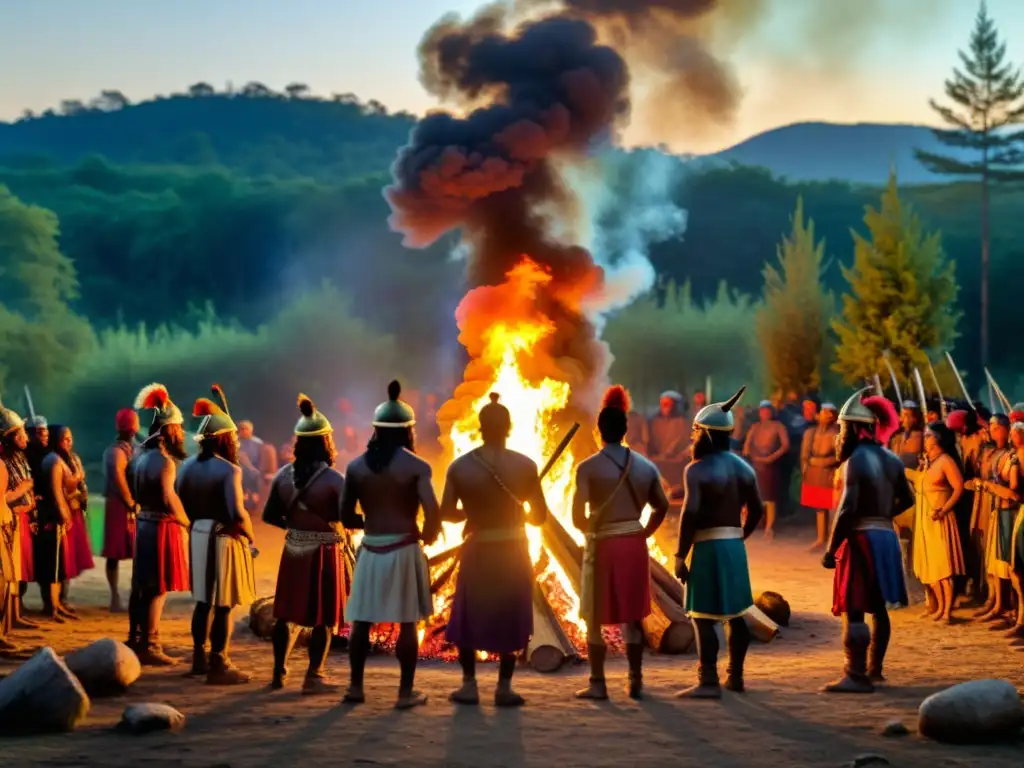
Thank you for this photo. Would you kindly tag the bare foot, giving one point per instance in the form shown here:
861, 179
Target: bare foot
701, 692
410, 699
817, 546
769, 534
849, 684
596, 691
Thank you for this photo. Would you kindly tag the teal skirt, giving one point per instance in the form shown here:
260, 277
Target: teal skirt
719, 583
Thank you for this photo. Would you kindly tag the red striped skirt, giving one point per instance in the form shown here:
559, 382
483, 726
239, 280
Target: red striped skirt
622, 579
311, 586
118, 530
161, 557
76, 549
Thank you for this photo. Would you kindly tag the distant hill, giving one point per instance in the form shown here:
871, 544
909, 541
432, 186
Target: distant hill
860, 153
271, 134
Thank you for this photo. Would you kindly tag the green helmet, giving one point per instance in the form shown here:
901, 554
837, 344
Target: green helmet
9, 420
393, 412
216, 420
311, 423
718, 416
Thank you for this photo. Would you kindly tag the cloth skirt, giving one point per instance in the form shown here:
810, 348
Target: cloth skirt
998, 549
311, 584
815, 497
23, 550
391, 587
118, 530
1018, 543
622, 579
77, 550
937, 551
161, 557
869, 573
222, 569
719, 583
769, 481
492, 609
8, 567
47, 554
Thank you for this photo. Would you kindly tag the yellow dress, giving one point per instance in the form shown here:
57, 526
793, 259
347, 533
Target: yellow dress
937, 552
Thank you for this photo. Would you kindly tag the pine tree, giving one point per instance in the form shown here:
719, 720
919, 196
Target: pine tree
902, 296
988, 98
792, 322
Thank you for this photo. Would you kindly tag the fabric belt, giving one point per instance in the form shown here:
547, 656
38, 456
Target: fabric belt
723, 533
383, 549
152, 516
873, 524
295, 536
615, 530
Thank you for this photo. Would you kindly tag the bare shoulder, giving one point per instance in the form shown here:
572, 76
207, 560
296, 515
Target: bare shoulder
417, 465
522, 462
334, 477
644, 465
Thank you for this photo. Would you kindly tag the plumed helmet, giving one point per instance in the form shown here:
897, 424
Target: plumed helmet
719, 416
311, 422
216, 419
855, 410
156, 398
38, 422
393, 412
9, 420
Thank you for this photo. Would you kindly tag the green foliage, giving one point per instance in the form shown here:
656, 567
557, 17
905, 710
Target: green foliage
672, 341
902, 295
40, 338
793, 320
988, 96
315, 345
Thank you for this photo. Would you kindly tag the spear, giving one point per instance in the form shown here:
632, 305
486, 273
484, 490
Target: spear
707, 390
892, 375
920, 393
28, 400
878, 385
960, 381
938, 390
994, 386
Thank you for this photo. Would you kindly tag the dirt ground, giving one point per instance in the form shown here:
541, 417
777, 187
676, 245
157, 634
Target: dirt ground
781, 721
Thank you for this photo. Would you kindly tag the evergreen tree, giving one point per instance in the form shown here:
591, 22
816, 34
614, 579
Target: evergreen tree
902, 296
793, 320
988, 98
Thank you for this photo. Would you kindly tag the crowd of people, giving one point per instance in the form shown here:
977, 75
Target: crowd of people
950, 486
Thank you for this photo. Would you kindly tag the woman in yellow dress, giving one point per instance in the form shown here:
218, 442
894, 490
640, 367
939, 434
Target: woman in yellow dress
938, 556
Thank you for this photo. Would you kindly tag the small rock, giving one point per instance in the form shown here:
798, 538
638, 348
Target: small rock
976, 712
868, 761
774, 606
42, 696
262, 621
895, 728
146, 718
104, 668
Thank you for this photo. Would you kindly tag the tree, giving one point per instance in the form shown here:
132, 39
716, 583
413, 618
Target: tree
72, 107
902, 295
988, 98
296, 90
200, 90
792, 322
256, 91
110, 101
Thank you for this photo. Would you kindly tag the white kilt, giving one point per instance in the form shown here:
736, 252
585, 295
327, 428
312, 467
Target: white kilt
231, 581
392, 587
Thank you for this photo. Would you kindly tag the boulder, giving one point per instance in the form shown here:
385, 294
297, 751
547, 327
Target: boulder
261, 621
42, 696
774, 606
146, 718
976, 712
104, 668
895, 728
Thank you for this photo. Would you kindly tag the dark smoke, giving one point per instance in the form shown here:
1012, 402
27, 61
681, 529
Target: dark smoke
552, 94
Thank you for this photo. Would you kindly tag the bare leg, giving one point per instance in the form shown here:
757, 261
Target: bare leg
821, 525
319, 646
995, 613
990, 598
1018, 588
931, 599
769, 520
283, 640
112, 570
358, 650
881, 631
407, 649
946, 614
150, 651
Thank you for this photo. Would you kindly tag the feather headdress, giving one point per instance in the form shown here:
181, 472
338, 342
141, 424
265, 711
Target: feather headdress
152, 396
887, 420
616, 397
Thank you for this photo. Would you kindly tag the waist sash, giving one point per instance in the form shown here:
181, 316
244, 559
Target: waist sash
874, 524
722, 533
382, 549
153, 517
301, 543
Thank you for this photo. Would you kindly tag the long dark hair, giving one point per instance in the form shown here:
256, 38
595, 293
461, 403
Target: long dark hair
310, 453
224, 445
946, 439
56, 435
709, 441
387, 441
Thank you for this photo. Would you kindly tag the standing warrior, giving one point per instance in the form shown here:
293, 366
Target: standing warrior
305, 500
20, 497
10, 423
119, 508
493, 606
766, 445
863, 549
161, 543
615, 484
818, 464
53, 483
391, 584
210, 488
718, 486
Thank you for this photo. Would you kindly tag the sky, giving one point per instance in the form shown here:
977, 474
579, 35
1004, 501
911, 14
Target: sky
797, 65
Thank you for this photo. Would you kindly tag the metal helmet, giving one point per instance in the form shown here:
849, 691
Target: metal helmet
855, 410
311, 423
393, 412
718, 416
155, 397
9, 420
216, 419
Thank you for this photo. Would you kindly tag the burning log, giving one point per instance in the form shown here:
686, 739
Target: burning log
668, 583
549, 647
668, 629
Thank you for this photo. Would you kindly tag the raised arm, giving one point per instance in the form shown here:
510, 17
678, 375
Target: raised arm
450, 511
580, 497
350, 518
431, 509
235, 499
171, 501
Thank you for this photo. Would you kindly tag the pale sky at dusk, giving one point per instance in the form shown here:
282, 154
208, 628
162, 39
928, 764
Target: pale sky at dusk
56, 49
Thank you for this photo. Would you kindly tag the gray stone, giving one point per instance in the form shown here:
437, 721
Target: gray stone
42, 696
895, 728
979, 711
104, 668
146, 718
869, 760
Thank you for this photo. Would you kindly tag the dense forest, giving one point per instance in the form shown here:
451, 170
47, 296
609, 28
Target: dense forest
244, 237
